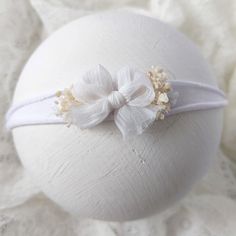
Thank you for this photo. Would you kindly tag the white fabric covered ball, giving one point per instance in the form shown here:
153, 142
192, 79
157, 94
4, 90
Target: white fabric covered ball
94, 172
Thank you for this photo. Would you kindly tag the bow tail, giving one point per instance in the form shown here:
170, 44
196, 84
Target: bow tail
89, 115
133, 120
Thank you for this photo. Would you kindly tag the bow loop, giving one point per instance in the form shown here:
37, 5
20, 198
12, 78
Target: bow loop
135, 86
94, 85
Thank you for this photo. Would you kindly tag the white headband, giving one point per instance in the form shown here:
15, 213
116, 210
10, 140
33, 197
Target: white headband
133, 99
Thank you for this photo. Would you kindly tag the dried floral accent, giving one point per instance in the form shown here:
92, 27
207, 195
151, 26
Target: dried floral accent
161, 87
65, 101
77, 105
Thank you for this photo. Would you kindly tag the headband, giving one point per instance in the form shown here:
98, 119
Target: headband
133, 99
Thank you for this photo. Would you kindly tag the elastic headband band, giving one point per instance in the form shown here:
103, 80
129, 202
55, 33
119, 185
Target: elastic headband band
133, 99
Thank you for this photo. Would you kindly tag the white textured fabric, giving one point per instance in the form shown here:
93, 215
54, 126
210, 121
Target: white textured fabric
208, 210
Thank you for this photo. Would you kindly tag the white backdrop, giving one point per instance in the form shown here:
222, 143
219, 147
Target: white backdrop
210, 209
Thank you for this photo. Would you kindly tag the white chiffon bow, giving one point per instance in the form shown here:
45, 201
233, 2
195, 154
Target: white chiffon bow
127, 96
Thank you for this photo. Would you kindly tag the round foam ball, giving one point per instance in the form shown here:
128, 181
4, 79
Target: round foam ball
94, 172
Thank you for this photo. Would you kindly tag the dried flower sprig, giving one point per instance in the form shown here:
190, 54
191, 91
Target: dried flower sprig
65, 101
161, 87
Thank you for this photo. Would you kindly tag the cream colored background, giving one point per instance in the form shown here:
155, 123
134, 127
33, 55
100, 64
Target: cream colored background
209, 209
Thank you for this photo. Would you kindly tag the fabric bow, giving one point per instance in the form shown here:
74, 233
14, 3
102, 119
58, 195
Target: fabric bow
128, 96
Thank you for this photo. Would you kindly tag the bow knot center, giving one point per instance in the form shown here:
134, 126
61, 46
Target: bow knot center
116, 99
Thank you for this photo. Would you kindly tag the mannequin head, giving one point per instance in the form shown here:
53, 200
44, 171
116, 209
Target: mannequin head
95, 173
